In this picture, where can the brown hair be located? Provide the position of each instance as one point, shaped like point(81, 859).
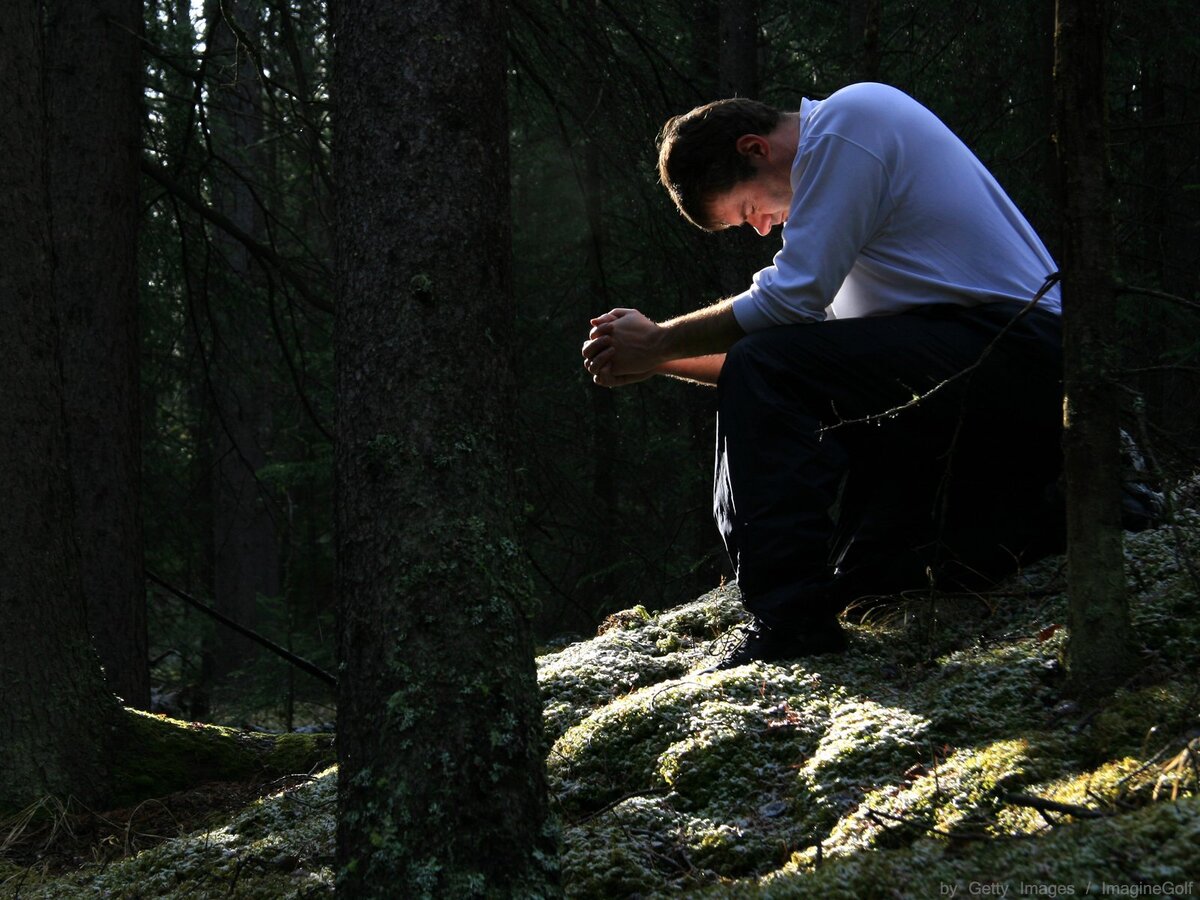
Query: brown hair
point(698, 157)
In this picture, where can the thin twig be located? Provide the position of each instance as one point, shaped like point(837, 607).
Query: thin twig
point(1051, 280)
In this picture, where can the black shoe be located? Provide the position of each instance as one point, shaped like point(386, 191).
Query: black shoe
point(763, 643)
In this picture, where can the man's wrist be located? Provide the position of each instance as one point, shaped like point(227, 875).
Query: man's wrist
point(713, 329)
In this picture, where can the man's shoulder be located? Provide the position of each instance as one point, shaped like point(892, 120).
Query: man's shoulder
point(868, 112)
point(867, 96)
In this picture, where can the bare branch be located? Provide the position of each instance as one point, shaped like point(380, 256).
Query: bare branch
point(264, 253)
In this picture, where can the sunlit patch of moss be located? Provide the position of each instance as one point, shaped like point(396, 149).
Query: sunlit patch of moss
point(1156, 845)
point(660, 736)
point(864, 745)
point(957, 794)
point(636, 651)
point(708, 617)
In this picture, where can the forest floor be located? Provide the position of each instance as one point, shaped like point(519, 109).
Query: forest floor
point(939, 756)
point(54, 839)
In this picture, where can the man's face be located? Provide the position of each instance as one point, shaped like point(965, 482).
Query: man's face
point(762, 202)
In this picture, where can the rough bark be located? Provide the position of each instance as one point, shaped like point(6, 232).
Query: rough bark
point(245, 554)
point(441, 778)
point(94, 100)
point(1098, 654)
point(56, 714)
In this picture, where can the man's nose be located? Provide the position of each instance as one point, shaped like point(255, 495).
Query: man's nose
point(762, 224)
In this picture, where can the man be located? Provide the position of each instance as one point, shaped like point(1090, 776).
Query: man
point(889, 399)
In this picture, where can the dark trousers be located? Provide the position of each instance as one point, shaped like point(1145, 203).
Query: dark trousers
point(818, 508)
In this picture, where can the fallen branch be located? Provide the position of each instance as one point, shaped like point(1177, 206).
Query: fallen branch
point(1041, 804)
point(875, 815)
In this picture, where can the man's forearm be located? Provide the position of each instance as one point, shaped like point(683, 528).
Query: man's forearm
point(698, 369)
point(711, 330)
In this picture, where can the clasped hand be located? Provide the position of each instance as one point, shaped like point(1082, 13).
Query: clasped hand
point(622, 348)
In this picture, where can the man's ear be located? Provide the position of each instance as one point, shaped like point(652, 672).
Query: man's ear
point(754, 145)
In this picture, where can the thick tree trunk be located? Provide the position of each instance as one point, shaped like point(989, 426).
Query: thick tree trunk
point(56, 715)
point(245, 537)
point(94, 98)
point(1099, 653)
point(442, 787)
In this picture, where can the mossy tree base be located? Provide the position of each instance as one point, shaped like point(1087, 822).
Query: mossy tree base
point(161, 755)
point(155, 756)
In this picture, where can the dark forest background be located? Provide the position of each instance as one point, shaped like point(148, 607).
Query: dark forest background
point(236, 275)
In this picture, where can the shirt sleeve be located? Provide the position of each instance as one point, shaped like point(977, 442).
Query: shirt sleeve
point(840, 199)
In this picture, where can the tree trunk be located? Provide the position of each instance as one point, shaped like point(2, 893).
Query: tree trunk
point(597, 589)
point(245, 538)
point(1099, 655)
point(441, 779)
point(737, 53)
point(741, 252)
point(94, 99)
point(864, 18)
point(57, 716)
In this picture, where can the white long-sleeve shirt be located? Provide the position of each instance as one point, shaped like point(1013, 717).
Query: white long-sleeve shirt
point(890, 210)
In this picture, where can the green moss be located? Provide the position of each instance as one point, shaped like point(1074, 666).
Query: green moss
point(1142, 720)
point(162, 755)
point(1157, 845)
point(635, 651)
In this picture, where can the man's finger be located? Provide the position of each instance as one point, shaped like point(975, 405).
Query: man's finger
point(600, 361)
point(612, 315)
point(595, 346)
point(602, 329)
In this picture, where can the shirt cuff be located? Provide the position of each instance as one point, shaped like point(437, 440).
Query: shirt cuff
point(754, 312)
point(748, 313)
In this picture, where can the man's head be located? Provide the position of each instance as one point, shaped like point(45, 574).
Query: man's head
point(705, 154)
